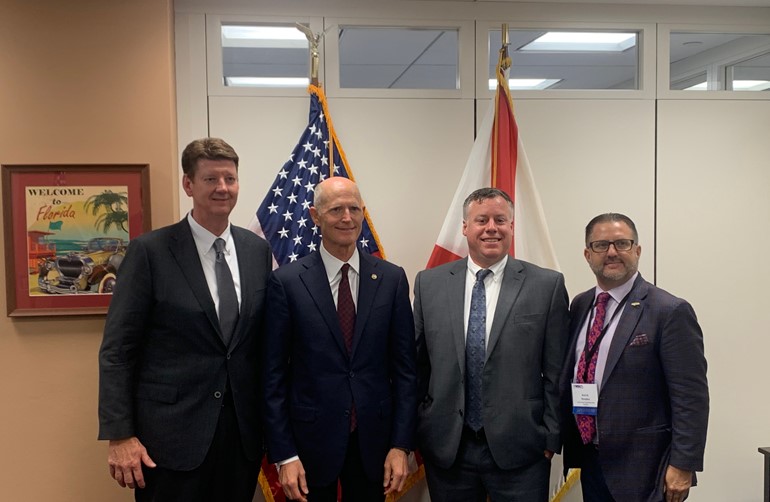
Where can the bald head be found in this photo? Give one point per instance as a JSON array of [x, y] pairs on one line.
[[335, 185], [338, 212]]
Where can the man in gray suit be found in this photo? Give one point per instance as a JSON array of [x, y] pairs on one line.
[[635, 378], [179, 365], [492, 332]]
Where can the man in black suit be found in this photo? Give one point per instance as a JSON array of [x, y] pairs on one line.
[[179, 363], [340, 377], [635, 378]]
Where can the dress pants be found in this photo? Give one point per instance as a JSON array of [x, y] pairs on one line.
[[475, 475], [225, 475], [592, 480], [356, 487]]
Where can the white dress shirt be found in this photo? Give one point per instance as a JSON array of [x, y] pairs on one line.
[[204, 242], [492, 284]]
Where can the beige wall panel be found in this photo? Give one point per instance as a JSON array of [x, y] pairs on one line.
[[590, 157], [713, 210]]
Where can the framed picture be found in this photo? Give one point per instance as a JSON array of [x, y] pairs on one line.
[[67, 228]]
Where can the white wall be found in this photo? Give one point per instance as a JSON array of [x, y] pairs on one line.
[[692, 173]]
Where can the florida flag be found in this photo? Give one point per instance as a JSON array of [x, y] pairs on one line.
[[498, 160]]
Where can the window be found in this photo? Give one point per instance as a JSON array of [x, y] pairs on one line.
[[567, 59], [719, 62], [381, 57], [258, 55]]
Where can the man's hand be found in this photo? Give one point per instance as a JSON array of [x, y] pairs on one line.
[[548, 454], [125, 458], [678, 484], [292, 478], [396, 471]]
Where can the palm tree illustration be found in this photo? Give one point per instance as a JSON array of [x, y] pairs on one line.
[[111, 205]]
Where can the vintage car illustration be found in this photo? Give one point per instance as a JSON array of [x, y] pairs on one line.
[[90, 270]]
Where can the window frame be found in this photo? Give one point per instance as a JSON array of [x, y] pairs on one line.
[[664, 90], [214, 68], [646, 70], [465, 66]]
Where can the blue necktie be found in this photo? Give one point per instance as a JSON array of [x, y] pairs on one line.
[[475, 352], [228, 299]]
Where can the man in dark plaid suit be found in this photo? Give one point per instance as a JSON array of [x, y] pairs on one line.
[[641, 435]]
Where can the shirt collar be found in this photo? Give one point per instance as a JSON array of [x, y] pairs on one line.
[[204, 240], [333, 264], [620, 292], [497, 268]]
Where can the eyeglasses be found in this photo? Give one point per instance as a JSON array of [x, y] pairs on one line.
[[604, 246]]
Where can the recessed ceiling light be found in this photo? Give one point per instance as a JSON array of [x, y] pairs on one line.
[[521, 84], [267, 81], [582, 41], [263, 36], [751, 85]]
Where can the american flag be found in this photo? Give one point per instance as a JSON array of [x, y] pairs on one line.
[[283, 218]]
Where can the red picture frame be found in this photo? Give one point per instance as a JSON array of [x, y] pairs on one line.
[[66, 229]]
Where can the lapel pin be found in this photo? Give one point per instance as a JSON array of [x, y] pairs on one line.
[[374, 276], [635, 304]]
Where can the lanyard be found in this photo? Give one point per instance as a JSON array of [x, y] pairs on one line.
[[589, 352]]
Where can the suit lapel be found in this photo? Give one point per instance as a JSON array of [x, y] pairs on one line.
[[248, 288], [369, 280], [317, 283], [455, 288], [629, 319], [513, 279], [579, 313], [185, 252]]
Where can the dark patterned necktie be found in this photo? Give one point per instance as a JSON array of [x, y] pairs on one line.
[[587, 423], [475, 352], [346, 312], [228, 299]]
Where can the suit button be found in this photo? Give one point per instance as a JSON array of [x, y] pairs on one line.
[[217, 394], [461, 412], [347, 413], [228, 357], [351, 374]]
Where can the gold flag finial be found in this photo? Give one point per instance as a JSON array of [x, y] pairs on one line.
[[505, 59], [313, 41]]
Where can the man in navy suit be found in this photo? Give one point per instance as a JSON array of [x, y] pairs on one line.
[[340, 391], [179, 374], [634, 389]]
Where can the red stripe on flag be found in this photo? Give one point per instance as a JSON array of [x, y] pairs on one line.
[[439, 256], [505, 144]]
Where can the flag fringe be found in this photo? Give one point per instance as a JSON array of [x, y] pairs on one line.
[[572, 478], [318, 91], [264, 485], [411, 480]]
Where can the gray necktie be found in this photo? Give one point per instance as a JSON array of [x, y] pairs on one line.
[[475, 352], [228, 299]]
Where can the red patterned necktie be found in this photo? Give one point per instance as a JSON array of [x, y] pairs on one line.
[[346, 312], [587, 423]]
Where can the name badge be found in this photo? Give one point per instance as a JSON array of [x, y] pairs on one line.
[[585, 398]]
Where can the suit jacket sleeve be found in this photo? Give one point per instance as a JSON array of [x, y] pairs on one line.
[[684, 365], [555, 345], [276, 373], [403, 371], [123, 332]]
